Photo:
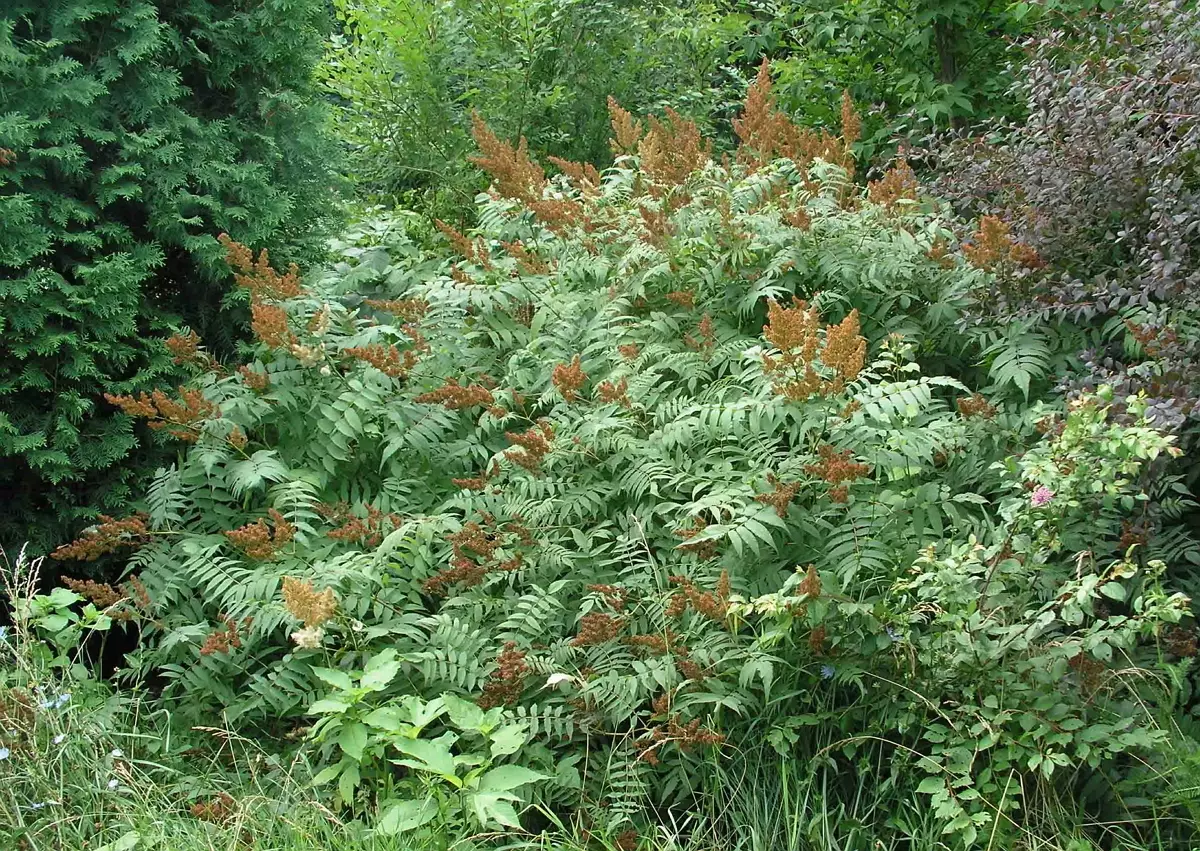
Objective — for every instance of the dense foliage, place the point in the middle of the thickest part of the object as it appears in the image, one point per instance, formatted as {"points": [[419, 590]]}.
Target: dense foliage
{"points": [[407, 74], [129, 133], [670, 465], [701, 480], [1101, 184]]}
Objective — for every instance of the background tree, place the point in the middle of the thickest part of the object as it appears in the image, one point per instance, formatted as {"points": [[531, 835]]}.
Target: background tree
{"points": [[130, 134]]}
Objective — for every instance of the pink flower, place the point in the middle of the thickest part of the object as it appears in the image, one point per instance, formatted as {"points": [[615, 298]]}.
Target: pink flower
{"points": [[1041, 496]]}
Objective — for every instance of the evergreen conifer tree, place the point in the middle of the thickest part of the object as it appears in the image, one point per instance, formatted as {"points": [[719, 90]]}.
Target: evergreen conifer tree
{"points": [[131, 133]]}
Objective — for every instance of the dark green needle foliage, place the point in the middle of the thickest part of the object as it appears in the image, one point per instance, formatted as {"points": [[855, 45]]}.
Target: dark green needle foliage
{"points": [[131, 132]]}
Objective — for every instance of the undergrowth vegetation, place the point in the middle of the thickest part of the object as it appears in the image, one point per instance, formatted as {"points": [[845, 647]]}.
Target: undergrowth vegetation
{"points": [[683, 480], [666, 466]]}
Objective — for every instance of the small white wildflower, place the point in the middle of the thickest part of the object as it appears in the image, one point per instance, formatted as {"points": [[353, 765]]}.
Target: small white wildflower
{"points": [[112, 784], [4, 752], [117, 753], [308, 638], [60, 738], [325, 370]]}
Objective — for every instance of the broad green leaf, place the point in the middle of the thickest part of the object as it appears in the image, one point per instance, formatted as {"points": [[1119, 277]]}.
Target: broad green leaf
{"points": [[384, 718], [427, 755], [348, 782], [353, 738], [930, 785], [328, 706], [124, 843], [329, 773], [495, 807], [337, 679], [376, 677], [509, 739], [506, 777], [403, 816], [464, 714]]}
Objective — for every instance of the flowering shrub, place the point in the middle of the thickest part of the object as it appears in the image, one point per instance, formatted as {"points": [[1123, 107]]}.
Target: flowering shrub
{"points": [[572, 483], [1094, 199]]}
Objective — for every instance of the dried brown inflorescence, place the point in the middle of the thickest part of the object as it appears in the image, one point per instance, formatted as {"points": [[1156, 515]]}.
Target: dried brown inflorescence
{"points": [[477, 483], [569, 378], [257, 275], [657, 224], [597, 628], [614, 596], [583, 176], [181, 418], [993, 248], [797, 335], [108, 536], [816, 641], [269, 322], [306, 604], [505, 685], [626, 131], [670, 152], [614, 393], [529, 262], [782, 495], [683, 298], [686, 737], [218, 810], [476, 552], [516, 176], [352, 528], [259, 541], [704, 549], [899, 183], [810, 585], [224, 639], [185, 351], [388, 359], [476, 251], [256, 381], [976, 406], [659, 644], [1180, 642], [531, 446], [122, 605], [455, 397], [837, 468], [714, 604], [407, 309], [1090, 672], [767, 134], [705, 338]]}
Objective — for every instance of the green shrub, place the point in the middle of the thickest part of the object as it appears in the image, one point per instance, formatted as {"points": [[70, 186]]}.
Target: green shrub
{"points": [[129, 134], [599, 473], [406, 75]]}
